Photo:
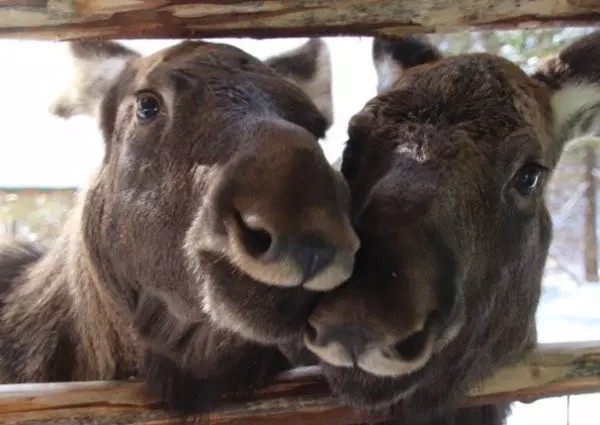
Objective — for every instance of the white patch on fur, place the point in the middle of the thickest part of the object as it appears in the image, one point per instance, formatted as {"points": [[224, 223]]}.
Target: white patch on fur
{"points": [[568, 102], [388, 71], [414, 151]]}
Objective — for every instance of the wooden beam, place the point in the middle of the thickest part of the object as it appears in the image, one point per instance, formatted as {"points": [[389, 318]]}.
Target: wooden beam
{"points": [[298, 397], [94, 19], [29, 191]]}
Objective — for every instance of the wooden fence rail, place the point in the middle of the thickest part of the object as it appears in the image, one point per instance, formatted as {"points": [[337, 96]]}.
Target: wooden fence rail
{"points": [[297, 397], [70, 19]]}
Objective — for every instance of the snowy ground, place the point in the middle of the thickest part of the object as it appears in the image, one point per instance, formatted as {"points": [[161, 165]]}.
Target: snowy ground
{"points": [[567, 313]]}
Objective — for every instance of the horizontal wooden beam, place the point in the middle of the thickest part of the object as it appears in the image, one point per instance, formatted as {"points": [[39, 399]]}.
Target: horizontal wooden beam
{"points": [[37, 190], [298, 397], [94, 19]]}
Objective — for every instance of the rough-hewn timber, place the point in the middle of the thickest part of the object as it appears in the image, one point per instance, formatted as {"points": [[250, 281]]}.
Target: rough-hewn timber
{"points": [[92, 19], [298, 397]]}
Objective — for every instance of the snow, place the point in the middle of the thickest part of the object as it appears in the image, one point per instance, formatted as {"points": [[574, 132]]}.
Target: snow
{"points": [[567, 313]]}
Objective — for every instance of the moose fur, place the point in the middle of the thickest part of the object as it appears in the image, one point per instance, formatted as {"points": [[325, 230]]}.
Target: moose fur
{"points": [[204, 236], [447, 167]]}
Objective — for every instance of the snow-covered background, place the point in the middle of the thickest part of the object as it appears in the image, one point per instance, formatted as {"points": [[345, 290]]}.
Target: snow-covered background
{"points": [[39, 150]]}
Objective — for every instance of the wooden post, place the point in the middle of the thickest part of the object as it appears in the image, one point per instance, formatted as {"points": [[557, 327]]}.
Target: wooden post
{"points": [[90, 19], [299, 397]]}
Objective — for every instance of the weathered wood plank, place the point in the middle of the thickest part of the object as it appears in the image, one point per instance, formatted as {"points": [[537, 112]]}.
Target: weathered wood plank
{"points": [[32, 191], [72, 19], [298, 397]]}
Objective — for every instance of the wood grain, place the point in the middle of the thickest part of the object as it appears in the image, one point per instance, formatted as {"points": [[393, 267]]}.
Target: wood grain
{"points": [[94, 19], [299, 397]]}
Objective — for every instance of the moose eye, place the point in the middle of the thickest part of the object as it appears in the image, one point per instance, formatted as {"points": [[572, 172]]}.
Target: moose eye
{"points": [[528, 177], [148, 106]]}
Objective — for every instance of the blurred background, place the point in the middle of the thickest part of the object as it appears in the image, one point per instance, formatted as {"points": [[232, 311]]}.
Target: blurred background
{"points": [[44, 159]]}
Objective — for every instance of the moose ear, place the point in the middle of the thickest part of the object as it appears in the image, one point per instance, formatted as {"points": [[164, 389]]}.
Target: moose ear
{"points": [[391, 56], [573, 76], [95, 67], [309, 67]]}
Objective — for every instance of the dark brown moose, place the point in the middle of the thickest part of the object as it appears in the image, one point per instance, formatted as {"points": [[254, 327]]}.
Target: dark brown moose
{"points": [[447, 168], [214, 219]]}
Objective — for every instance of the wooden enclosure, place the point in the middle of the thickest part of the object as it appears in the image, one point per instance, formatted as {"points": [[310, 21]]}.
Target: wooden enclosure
{"points": [[300, 396], [70, 19]]}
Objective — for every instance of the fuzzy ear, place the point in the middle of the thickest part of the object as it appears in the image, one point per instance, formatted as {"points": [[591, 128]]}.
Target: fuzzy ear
{"points": [[94, 69], [573, 76], [309, 67], [393, 55]]}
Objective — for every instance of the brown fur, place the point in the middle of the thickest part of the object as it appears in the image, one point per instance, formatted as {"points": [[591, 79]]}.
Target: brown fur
{"points": [[212, 221], [453, 244]]}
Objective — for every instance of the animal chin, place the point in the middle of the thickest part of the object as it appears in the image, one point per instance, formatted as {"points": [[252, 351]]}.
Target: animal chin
{"points": [[236, 321], [257, 312], [386, 361], [363, 390]]}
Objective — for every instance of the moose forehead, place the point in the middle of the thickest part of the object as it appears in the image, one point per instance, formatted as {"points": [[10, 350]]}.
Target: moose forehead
{"points": [[476, 98], [223, 77], [199, 57]]}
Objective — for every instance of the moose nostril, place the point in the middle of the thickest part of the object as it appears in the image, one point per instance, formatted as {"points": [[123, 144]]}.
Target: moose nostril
{"points": [[312, 255], [256, 240], [412, 347]]}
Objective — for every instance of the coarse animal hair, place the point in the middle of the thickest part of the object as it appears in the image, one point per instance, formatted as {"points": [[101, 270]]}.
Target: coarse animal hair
{"points": [[447, 167], [201, 240]]}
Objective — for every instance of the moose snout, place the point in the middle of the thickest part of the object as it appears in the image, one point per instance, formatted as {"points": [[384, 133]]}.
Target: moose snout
{"points": [[318, 264], [381, 354], [279, 212]]}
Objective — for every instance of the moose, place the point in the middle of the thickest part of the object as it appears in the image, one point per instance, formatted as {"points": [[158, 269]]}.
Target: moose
{"points": [[447, 168], [203, 238]]}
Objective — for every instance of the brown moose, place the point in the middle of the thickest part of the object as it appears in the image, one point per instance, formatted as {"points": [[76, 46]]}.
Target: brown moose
{"points": [[213, 220], [447, 168]]}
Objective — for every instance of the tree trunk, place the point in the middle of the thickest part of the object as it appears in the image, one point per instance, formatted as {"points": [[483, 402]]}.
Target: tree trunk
{"points": [[591, 238]]}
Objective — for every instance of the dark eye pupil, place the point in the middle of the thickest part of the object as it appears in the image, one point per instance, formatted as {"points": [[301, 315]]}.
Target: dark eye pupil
{"points": [[148, 107], [528, 177]]}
